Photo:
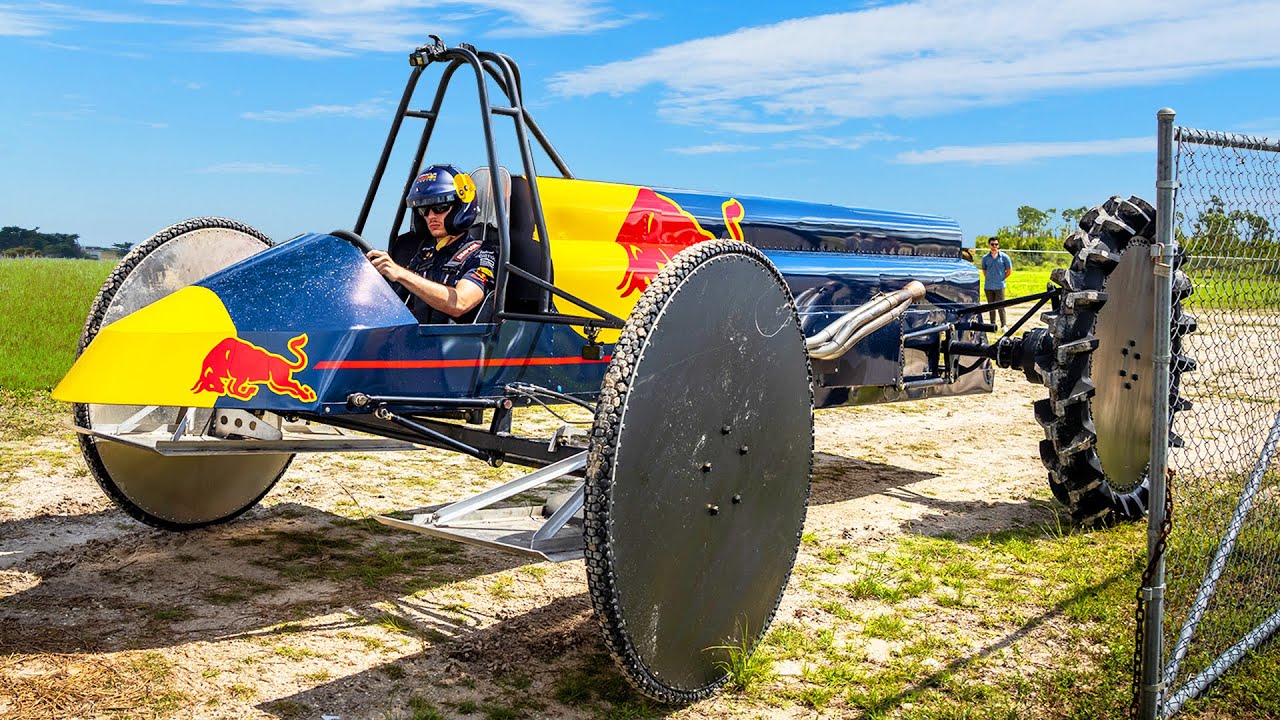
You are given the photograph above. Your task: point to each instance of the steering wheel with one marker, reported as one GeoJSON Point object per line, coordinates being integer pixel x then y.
{"type": "Point", "coordinates": [354, 239]}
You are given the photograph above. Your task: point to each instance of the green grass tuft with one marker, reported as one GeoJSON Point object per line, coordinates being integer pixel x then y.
{"type": "Point", "coordinates": [745, 668]}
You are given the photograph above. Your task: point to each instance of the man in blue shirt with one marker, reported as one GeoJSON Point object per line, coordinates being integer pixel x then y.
{"type": "Point", "coordinates": [996, 268]}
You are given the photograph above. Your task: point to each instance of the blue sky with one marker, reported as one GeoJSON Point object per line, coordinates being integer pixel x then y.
{"type": "Point", "coordinates": [124, 116]}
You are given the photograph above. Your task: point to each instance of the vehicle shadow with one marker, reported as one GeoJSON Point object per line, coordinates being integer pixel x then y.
{"type": "Point", "coordinates": [50, 534]}
{"type": "Point", "coordinates": [548, 661]}
{"type": "Point", "coordinates": [964, 520]}
{"type": "Point", "coordinates": [837, 478]}
{"type": "Point", "coordinates": [123, 586]}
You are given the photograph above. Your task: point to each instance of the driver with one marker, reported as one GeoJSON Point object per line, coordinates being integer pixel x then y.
{"type": "Point", "coordinates": [449, 274]}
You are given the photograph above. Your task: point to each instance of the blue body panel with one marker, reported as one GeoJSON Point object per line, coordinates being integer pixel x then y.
{"type": "Point", "coordinates": [361, 338]}
{"type": "Point", "coordinates": [774, 224]}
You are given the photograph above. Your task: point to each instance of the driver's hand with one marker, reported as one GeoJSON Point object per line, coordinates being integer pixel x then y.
{"type": "Point", "coordinates": [387, 267]}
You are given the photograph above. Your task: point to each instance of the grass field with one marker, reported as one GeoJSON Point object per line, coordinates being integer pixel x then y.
{"type": "Point", "coordinates": [1028, 280]}
{"type": "Point", "coordinates": [45, 303]}
{"type": "Point", "coordinates": [1212, 289]}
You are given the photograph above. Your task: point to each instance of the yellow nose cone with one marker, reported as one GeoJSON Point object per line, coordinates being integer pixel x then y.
{"type": "Point", "coordinates": [153, 356]}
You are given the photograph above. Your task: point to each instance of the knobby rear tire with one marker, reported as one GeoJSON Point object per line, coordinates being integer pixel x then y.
{"type": "Point", "coordinates": [1077, 477]}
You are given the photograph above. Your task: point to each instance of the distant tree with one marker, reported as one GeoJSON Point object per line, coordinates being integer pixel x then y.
{"type": "Point", "coordinates": [1032, 240]}
{"type": "Point", "coordinates": [62, 245]}
{"type": "Point", "coordinates": [1071, 219]}
{"type": "Point", "coordinates": [123, 247]}
{"type": "Point", "coordinates": [1031, 221]}
{"type": "Point", "coordinates": [1218, 231]}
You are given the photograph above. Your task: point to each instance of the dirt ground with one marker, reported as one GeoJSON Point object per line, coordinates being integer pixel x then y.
{"type": "Point", "coordinates": [301, 608]}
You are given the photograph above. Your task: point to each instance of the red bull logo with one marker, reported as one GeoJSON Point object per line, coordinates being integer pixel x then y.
{"type": "Point", "coordinates": [656, 229]}
{"type": "Point", "coordinates": [237, 368]}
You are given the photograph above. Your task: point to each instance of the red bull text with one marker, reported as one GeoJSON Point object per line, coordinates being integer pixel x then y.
{"type": "Point", "coordinates": [733, 213]}
{"type": "Point", "coordinates": [237, 368]}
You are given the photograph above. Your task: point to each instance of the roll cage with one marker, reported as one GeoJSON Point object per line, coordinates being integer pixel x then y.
{"type": "Point", "coordinates": [506, 75]}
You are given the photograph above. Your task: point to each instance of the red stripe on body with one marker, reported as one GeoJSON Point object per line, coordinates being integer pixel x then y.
{"type": "Point", "coordinates": [432, 364]}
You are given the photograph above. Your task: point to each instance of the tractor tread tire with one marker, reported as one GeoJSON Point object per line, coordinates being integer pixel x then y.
{"type": "Point", "coordinates": [1069, 450]}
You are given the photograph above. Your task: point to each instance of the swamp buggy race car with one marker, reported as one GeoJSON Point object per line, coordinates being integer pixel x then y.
{"type": "Point", "coordinates": [702, 330]}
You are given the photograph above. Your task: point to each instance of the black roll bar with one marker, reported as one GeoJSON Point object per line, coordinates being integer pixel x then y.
{"type": "Point", "coordinates": [506, 75]}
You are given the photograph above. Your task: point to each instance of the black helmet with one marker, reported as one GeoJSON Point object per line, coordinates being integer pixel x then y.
{"type": "Point", "coordinates": [446, 184]}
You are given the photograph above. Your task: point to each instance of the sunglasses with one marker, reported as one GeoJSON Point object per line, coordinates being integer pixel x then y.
{"type": "Point", "coordinates": [438, 208]}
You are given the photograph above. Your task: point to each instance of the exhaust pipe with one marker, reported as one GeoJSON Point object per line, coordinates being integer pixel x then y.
{"type": "Point", "coordinates": [849, 329]}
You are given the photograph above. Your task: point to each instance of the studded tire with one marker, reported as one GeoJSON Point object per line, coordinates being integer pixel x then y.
{"type": "Point", "coordinates": [1084, 409]}
{"type": "Point", "coordinates": [698, 475]}
{"type": "Point", "coordinates": [179, 492]}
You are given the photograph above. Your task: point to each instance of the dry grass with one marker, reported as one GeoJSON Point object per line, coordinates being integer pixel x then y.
{"type": "Point", "coordinates": [51, 686]}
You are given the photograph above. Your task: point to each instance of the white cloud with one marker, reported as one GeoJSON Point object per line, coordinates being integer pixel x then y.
{"type": "Point", "coordinates": [751, 127]}
{"type": "Point", "coordinates": [287, 47]}
{"type": "Point", "coordinates": [1013, 153]}
{"type": "Point", "coordinates": [20, 25]}
{"type": "Point", "coordinates": [929, 57]}
{"type": "Point", "coordinates": [325, 28]}
{"type": "Point", "coordinates": [251, 168]}
{"type": "Point", "coordinates": [712, 148]}
{"type": "Point", "coordinates": [553, 16]}
{"type": "Point", "coordinates": [856, 142]}
{"type": "Point", "coordinates": [367, 109]}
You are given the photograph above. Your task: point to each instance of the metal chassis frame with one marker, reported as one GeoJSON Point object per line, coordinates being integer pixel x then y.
{"type": "Point", "coordinates": [494, 445]}
{"type": "Point", "coordinates": [950, 349]}
{"type": "Point", "coordinates": [506, 75]}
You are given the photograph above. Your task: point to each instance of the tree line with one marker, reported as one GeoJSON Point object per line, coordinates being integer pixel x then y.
{"type": "Point", "coordinates": [22, 242]}
{"type": "Point", "coordinates": [1216, 233]}
{"type": "Point", "coordinates": [1038, 234]}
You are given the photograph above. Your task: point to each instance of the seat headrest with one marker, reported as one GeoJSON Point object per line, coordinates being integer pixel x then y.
{"type": "Point", "coordinates": [488, 209]}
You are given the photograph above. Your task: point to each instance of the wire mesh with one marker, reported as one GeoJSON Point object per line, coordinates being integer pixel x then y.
{"type": "Point", "coordinates": [1222, 557]}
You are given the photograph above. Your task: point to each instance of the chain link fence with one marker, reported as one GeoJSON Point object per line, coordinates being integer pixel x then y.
{"type": "Point", "coordinates": [1222, 552]}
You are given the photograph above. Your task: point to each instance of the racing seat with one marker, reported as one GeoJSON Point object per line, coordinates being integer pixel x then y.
{"type": "Point", "coordinates": [486, 224]}
{"type": "Point", "coordinates": [526, 253]}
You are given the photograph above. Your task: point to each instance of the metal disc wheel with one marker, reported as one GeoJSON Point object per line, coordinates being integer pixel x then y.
{"type": "Point", "coordinates": [174, 493]}
{"type": "Point", "coordinates": [698, 477]}
{"type": "Point", "coordinates": [1097, 419]}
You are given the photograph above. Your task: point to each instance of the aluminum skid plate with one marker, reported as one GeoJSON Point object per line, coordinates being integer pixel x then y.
{"type": "Point", "coordinates": [164, 440]}
{"type": "Point", "coordinates": [551, 531]}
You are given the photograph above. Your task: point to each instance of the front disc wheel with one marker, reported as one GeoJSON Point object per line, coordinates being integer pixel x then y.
{"type": "Point", "coordinates": [698, 477]}
{"type": "Point", "coordinates": [173, 493]}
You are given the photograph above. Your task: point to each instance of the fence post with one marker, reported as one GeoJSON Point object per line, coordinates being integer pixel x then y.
{"type": "Point", "coordinates": [1153, 592]}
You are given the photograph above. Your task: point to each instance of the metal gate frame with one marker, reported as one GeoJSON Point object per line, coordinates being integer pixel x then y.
{"type": "Point", "coordinates": [1156, 698]}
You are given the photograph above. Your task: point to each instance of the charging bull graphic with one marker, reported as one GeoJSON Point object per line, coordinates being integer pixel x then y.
{"type": "Point", "coordinates": [656, 229]}
{"type": "Point", "coordinates": [236, 368]}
